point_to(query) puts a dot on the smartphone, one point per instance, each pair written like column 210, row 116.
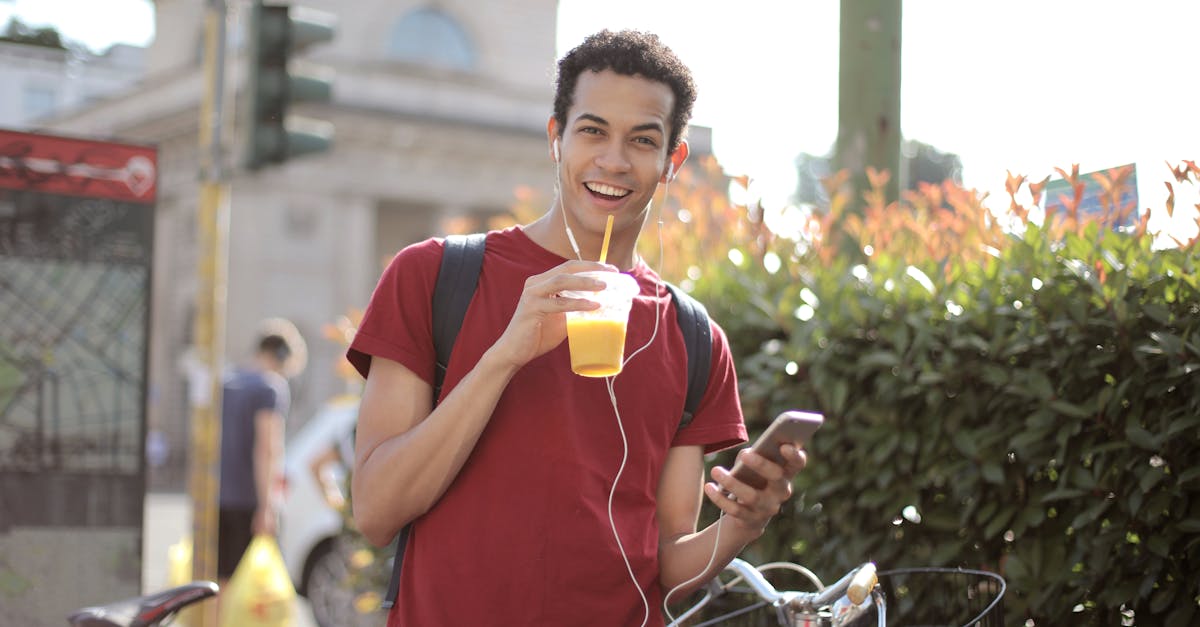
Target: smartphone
column 792, row 426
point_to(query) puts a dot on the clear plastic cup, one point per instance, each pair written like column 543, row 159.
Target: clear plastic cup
column 596, row 338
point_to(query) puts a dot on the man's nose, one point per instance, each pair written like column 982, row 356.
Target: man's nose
column 614, row 157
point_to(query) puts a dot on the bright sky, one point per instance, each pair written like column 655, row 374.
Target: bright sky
column 1021, row 85
column 96, row 23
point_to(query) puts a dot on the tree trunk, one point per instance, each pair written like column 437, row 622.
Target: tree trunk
column 869, row 93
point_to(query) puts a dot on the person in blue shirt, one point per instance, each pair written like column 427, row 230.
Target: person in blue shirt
column 255, row 401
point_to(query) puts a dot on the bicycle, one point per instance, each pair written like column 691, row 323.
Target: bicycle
column 860, row 595
column 151, row 610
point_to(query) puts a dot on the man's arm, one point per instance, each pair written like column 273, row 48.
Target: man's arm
column 322, row 473
column 407, row 452
column 268, row 456
column 683, row 552
column 405, row 456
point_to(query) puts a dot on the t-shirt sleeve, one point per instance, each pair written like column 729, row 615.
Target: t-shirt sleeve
column 280, row 396
column 718, row 423
column 397, row 322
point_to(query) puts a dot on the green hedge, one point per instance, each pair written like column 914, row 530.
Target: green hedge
column 1035, row 414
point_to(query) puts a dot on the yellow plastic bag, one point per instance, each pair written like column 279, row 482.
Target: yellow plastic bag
column 179, row 572
column 179, row 562
column 260, row 592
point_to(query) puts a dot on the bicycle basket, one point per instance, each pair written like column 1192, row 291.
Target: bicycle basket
column 928, row 596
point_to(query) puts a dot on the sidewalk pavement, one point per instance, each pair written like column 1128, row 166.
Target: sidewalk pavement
column 168, row 517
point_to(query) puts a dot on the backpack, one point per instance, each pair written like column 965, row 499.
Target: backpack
column 458, row 276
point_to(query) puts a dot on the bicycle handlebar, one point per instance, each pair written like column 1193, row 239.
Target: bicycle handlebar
column 842, row 601
column 856, row 585
column 845, row 602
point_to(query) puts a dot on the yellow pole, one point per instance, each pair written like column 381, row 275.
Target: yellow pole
column 209, row 327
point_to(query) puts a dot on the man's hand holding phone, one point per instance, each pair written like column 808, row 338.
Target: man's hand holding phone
column 760, row 481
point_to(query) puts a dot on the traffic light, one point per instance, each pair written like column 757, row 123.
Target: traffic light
column 277, row 33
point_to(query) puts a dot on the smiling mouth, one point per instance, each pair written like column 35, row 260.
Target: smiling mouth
column 607, row 192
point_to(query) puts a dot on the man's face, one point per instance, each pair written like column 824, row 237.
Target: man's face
column 614, row 149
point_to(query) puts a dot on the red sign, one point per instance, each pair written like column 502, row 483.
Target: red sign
column 77, row 167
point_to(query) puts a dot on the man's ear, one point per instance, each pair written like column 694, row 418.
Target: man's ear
column 552, row 138
column 675, row 162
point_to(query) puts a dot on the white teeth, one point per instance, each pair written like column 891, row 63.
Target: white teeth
column 607, row 190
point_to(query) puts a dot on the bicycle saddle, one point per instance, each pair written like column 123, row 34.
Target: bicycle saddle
column 143, row 611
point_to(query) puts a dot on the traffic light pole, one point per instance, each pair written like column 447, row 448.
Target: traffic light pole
column 209, row 326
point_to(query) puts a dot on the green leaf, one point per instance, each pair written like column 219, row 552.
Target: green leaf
column 887, row 447
column 1158, row 546
column 1090, row 514
column 1182, row 424
column 1191, row 525
column 841, row 391
column 1157, row 313
column 995, row 376
column 1149, row 479
column 945, row 553
column 1161, row 599
column 881, row 360
column 930, row 377
column 1142, row 438
column 985, row 512
column 1135, row 501
column 1061, row 494
column 993, row 473
column 1025, row 442
column 1017, row 569
column 1189, row 475
column 1182, row 616
column 1040, row 385
column 1156, row 507
column 965, row 442
column 999, row 523
column 1172, row 344
column 1083, row 479
column 1069, row 409
column 1032, row 517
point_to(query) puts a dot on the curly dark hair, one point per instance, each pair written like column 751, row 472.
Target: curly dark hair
column 629, row 53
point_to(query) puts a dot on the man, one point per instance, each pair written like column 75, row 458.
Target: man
column 255, row 400
column 509, row 481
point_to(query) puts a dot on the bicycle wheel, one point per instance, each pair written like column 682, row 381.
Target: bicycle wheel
column 928, row 596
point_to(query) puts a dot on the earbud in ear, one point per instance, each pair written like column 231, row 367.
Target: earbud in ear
column 555, row 147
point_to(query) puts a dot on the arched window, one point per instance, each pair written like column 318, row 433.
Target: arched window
column 431, row 37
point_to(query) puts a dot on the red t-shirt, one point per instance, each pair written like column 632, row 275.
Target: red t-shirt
column 522, row 536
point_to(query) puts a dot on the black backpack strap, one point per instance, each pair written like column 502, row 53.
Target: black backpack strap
column 458, row 276
column 697, row 339
column 462, row 259
column 393, row 589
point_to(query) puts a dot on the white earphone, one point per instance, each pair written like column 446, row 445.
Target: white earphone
column 671, row 171
column 556, row 157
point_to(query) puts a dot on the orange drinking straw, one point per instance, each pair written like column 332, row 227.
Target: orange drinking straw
column 607, row 235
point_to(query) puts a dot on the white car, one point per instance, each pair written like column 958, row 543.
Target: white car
column 311, row 532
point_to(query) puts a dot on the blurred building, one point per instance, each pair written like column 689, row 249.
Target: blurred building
column 440, row 112
column 40, row 81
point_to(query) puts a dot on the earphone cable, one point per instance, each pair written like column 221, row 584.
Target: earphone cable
column 609, row 382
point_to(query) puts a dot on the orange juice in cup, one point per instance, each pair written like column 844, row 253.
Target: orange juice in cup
column 597, row 346
column 597, row 338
